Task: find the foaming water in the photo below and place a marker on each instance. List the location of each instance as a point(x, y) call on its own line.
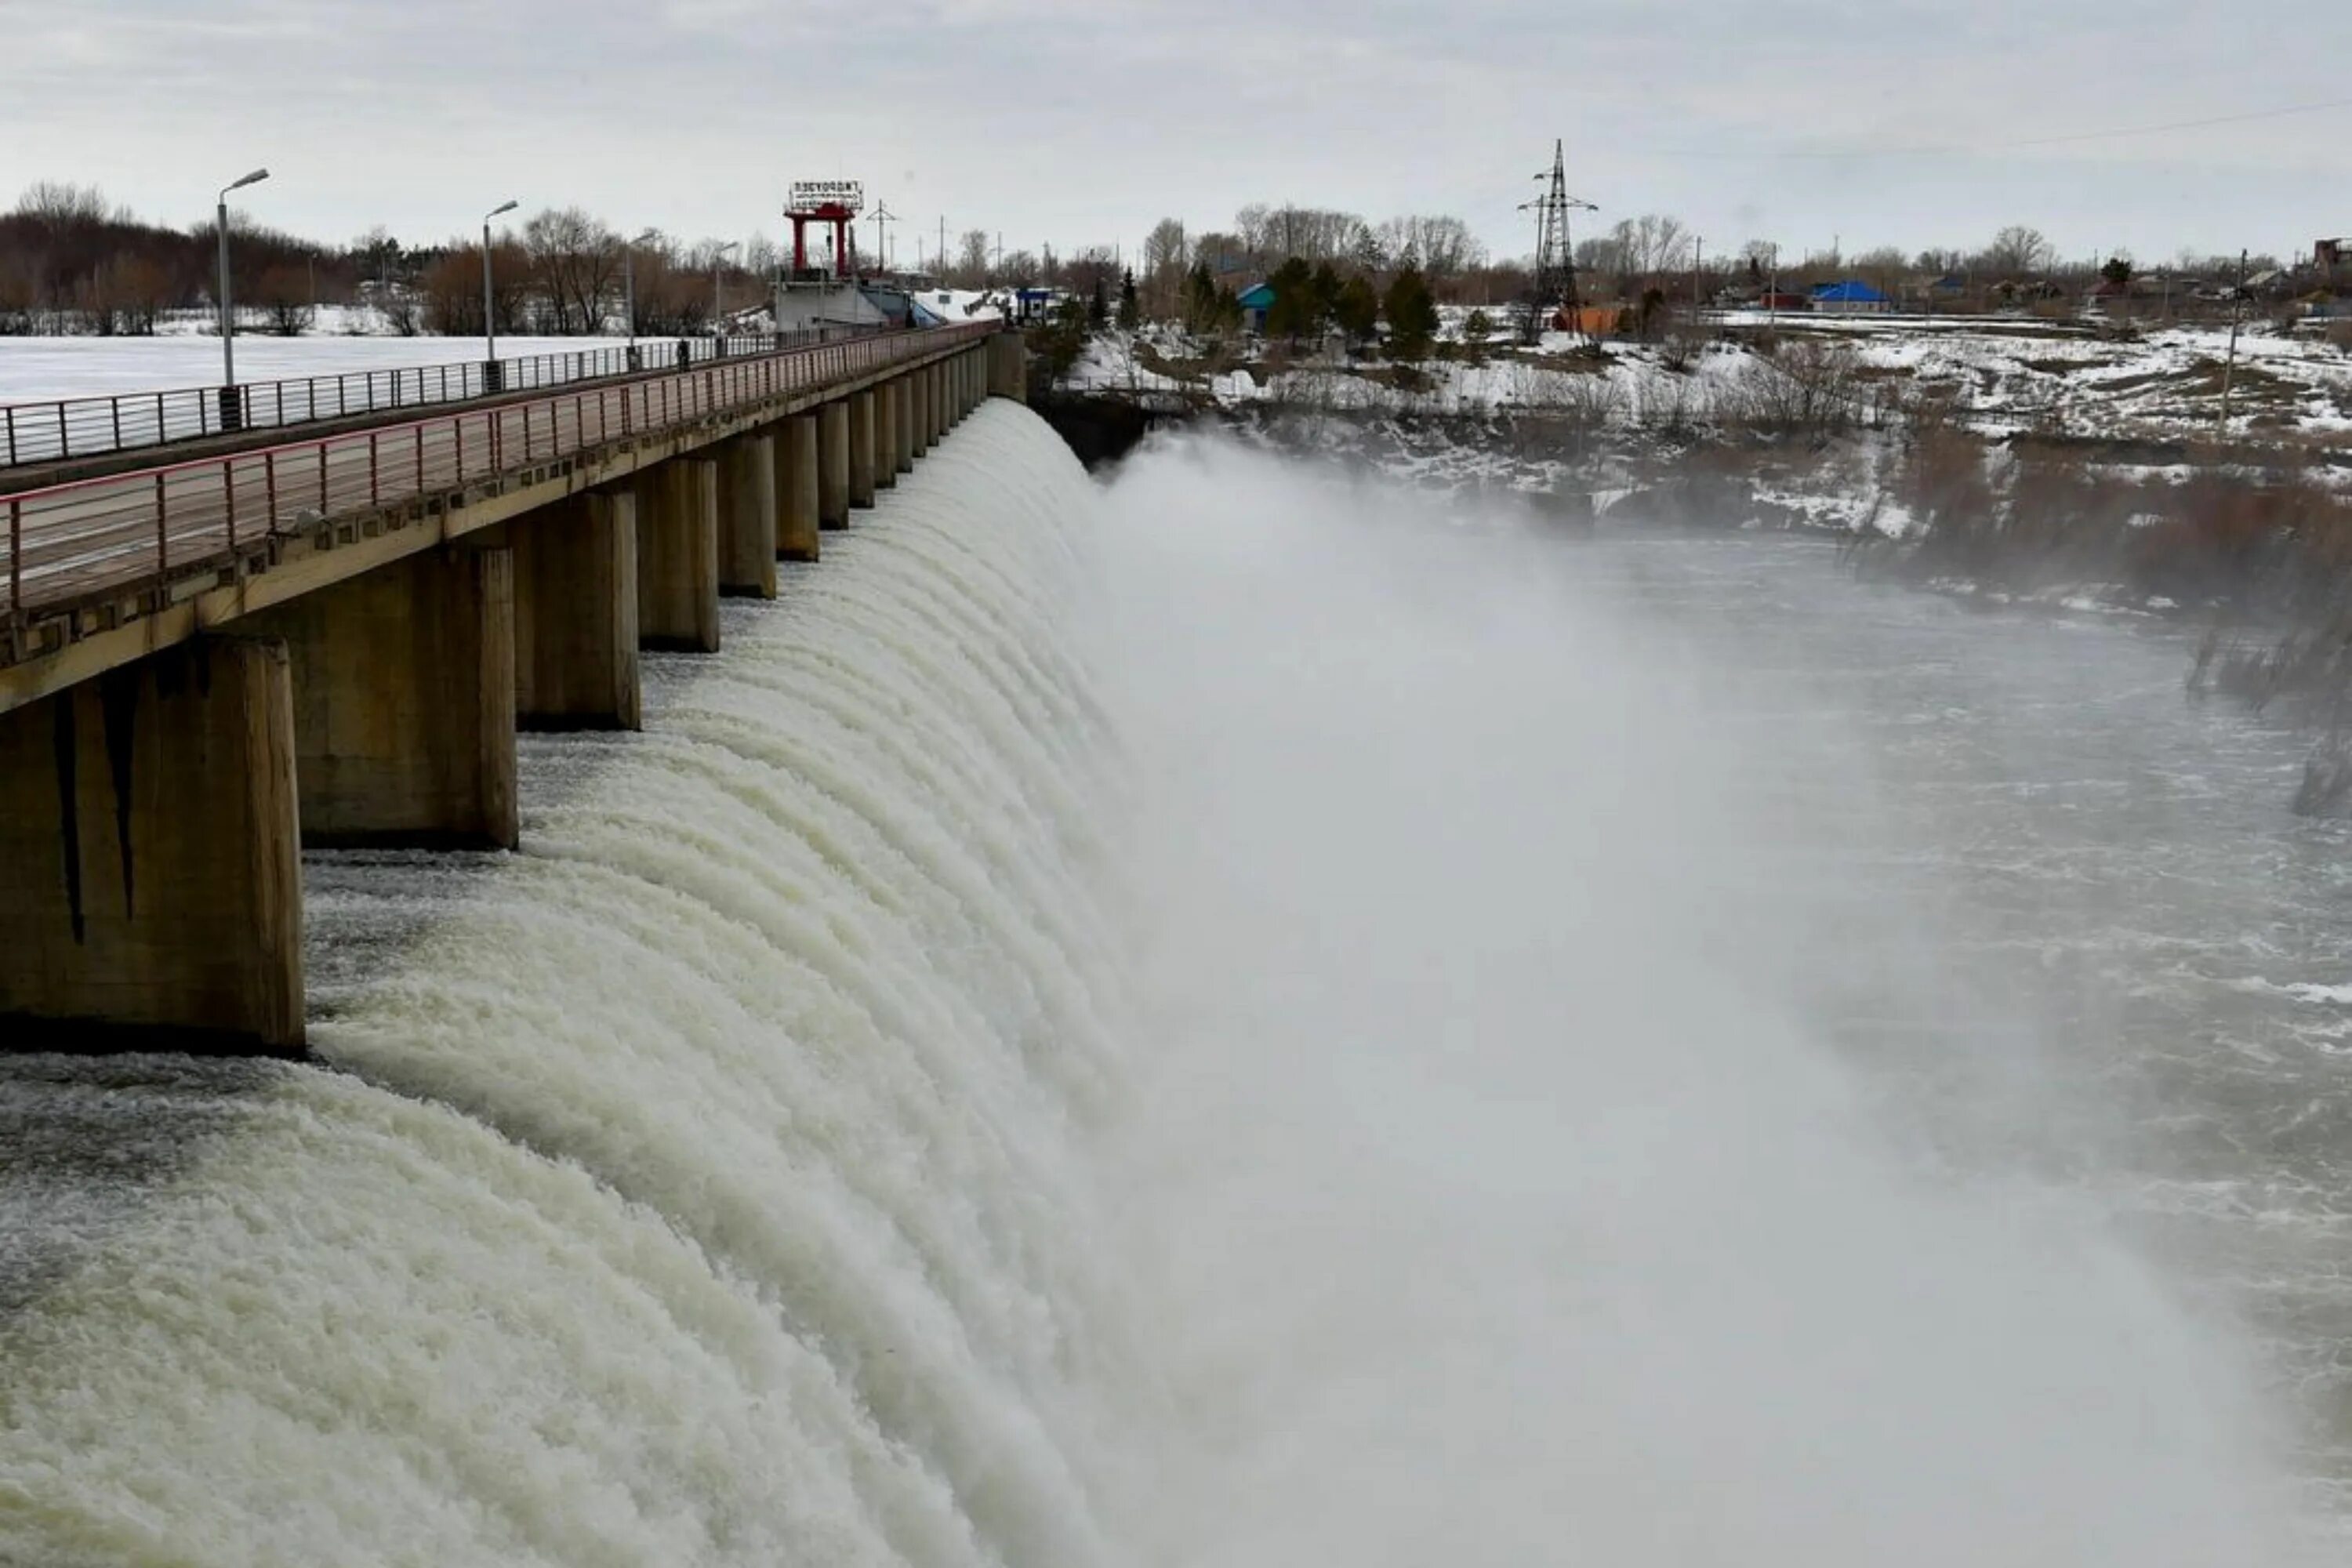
point(1204, 1023)
point(1566, 1144)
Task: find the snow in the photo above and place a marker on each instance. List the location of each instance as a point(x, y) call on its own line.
point(2002, 375)
point(40, 370)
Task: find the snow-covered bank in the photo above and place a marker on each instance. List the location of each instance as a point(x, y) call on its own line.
point(1998, 377)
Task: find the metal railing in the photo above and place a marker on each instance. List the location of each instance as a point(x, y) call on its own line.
point(70, 427)
point(124, 534)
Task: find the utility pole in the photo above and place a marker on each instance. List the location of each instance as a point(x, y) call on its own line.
point(2229, 365)
point(882, 217)
point(1698, 249)
point(943, 247)
point(1555, 279)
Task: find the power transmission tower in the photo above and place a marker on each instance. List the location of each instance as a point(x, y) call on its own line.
point(882, 217)
point(1555, 279)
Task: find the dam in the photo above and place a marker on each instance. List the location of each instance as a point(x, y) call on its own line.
point(1237, 1016)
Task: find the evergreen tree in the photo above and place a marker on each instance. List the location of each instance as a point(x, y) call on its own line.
point(1098, 307)
point(1130, 309)
point(1324, 295)
point(1292, 314)
point(1201, 309)
point(1413, 317)
point(1356, 312)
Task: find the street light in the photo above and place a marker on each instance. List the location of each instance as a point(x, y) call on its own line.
point(228, 317)
point(489, 312)
point(629, 280)
point(718, 328)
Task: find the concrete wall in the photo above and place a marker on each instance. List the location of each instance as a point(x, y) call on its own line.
point(575, 586)
point(678, 555)
point(148, 822)
point(885, 435)
point(861, 449)
point(832, 464)
point(797, 523)
point(747, 517)
point(403, 686)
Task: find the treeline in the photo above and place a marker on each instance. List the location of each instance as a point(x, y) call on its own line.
point(71, 262)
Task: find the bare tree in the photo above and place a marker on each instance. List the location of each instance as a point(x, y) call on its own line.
point(62, 204)
point(2017, 251)
point(972, 258)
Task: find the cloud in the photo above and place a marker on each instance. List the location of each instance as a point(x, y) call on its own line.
point(1068, 123)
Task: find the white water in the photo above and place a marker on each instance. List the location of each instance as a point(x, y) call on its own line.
point(1217, 1026)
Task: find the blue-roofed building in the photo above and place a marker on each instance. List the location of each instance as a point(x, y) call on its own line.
point(1850, 298)
point(1256, 301)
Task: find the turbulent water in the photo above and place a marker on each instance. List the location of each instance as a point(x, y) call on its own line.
point(1241, 1019)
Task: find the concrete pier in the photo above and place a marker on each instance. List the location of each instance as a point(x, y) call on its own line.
point(575, 587)
point(885, 435)
point(919, 414)
point(1008, 367)
point(832, 464)
point(861, 449)
point(796, 514)
point(677, 556)
point(404, 683)
point(148, 818)
point(747, 517)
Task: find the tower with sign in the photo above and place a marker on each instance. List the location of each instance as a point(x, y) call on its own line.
point(834, 202)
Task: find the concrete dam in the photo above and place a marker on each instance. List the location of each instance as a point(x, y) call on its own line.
point(1237, 1016)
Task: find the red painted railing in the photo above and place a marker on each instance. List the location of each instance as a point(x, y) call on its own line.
point(125, 533)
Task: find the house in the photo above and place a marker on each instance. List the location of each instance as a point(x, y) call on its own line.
point(1256, 301)
point(1783, 299)
point(1850, 298)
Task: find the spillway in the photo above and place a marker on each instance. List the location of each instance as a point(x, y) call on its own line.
point(1209, 1022)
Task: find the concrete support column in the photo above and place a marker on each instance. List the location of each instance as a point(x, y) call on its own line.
point(832, 464)
point(1008, 367)
point(678, 555)
point(147, 818)
point(968, 367)
point(796, 517)
point(861, 449)
point(885, 435)
point(916, 392)
point(747, 517)
point(935, 401)
point(576, 588)
point(404, 702)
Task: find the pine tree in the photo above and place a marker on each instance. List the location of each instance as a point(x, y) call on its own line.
point(1357, 311)
point(1413, 317)
point(1324, 295)
point(1098, 307)
point(1130, 309)
point(1292, 314)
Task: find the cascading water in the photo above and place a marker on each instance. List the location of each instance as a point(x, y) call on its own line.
point(1205, 1023)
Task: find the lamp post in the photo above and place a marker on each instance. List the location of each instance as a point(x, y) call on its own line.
point(489, 305)
point(629, 284)
point(230, 409)
point(718, 257)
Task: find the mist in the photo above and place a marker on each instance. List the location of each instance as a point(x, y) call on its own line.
point(1510, 1172)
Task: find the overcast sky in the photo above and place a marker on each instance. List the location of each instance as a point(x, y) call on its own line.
point(1075, 121)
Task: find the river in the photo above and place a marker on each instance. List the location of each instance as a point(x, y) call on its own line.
point(1251, 1017)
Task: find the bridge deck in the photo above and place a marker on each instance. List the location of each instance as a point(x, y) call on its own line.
point(69, 546)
